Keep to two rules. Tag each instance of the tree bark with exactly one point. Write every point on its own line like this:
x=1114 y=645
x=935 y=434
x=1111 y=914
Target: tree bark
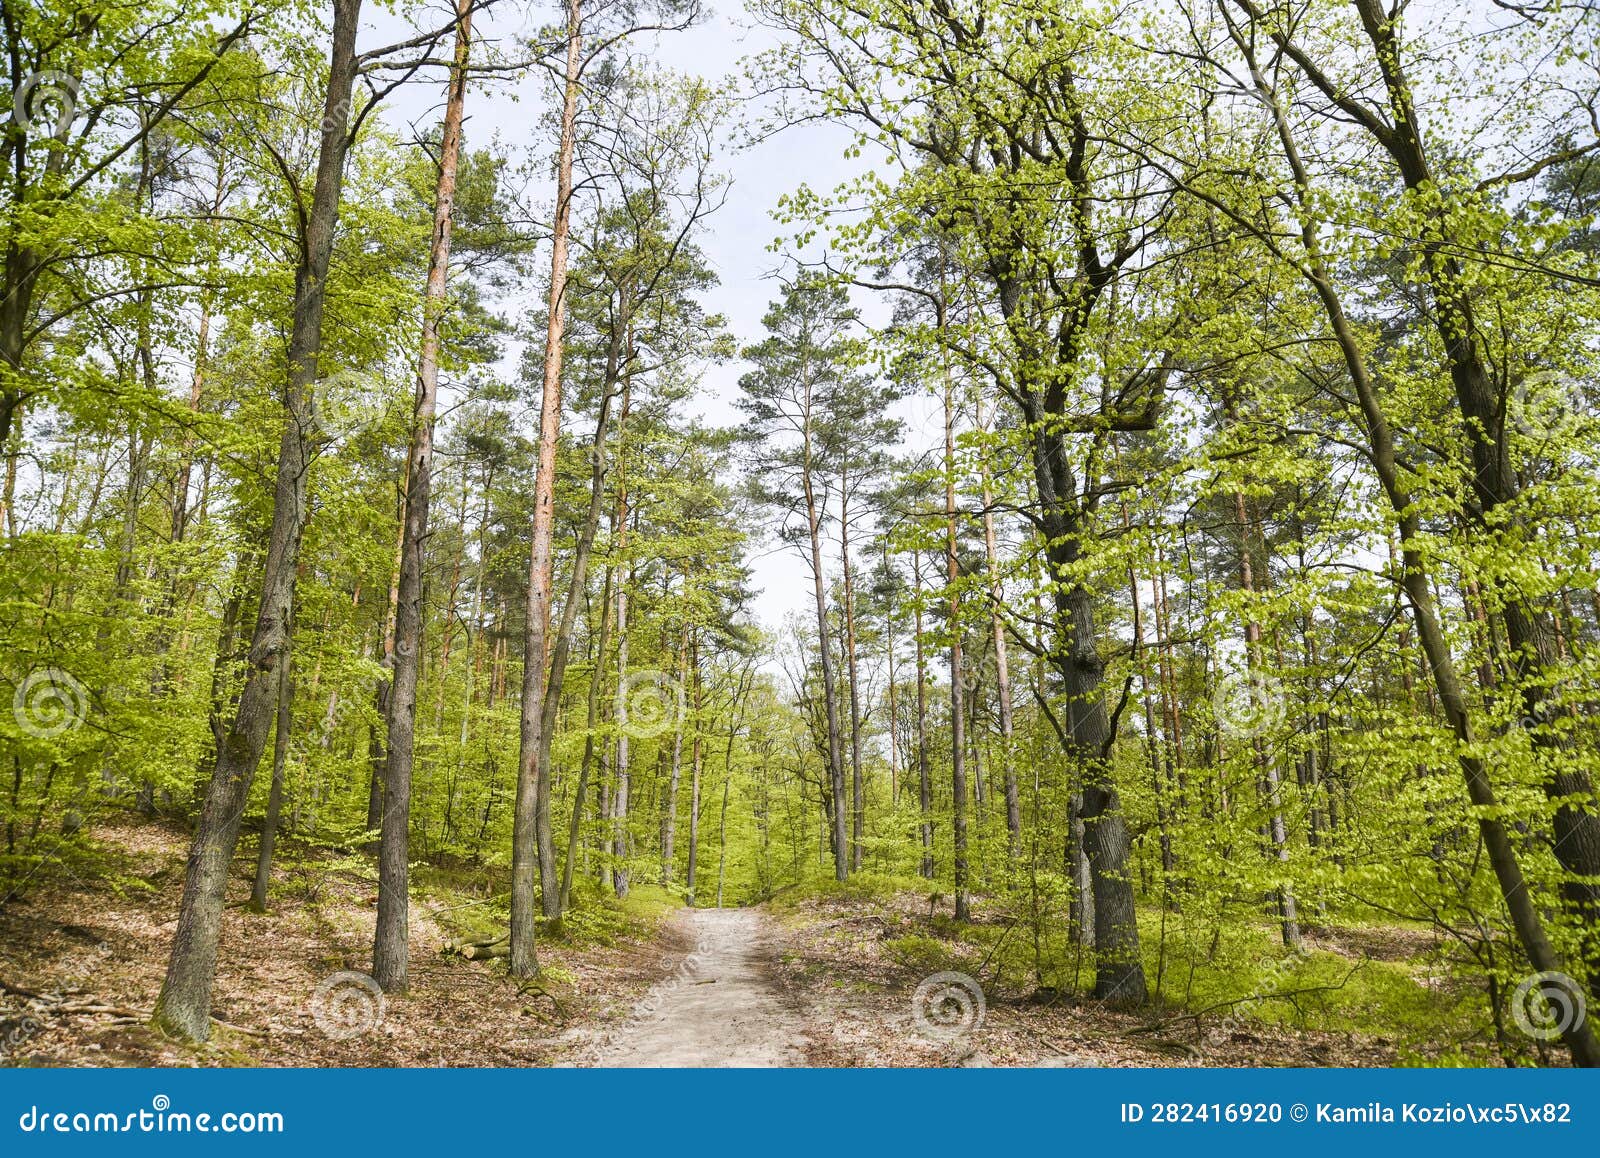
x=924 y=775
x=736 y=712
x=378 y=739
x=269 y=824
x=620 y=781
x=1119 y=973
x=596 y=680
x=894 y=715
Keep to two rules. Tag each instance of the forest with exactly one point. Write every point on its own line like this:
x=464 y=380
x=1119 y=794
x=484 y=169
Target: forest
x=998 y=532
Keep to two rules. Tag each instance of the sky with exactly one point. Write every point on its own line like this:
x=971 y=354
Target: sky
x=737 y=240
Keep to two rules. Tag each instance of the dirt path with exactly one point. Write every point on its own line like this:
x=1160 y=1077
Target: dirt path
x=720 y=1007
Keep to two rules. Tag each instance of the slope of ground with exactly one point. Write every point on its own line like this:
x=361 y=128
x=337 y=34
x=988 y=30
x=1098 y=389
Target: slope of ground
x=852 y=975
x=81 y=962
x=873 y=959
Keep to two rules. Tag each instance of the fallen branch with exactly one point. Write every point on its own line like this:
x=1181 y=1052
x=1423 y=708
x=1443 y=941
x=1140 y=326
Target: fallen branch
x=1048 y=1044
x=468 y=905
x=1288 y=995
x=28 y=993
x=536 y=987
x=98 y=1007
x=477 y=948
x=241 y=1029
x=1168 y=1045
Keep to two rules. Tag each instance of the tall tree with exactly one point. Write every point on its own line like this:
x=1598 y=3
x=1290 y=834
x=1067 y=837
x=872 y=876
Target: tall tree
x=805 y=369
x=391 y=936
x=184 y=1006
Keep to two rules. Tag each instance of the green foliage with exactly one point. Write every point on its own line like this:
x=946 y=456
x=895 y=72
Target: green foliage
x=1272 y=448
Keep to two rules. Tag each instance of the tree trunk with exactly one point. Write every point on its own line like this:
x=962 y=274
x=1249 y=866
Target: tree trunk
x=596 y=679
x=1119 y=973
x=1002 y=676
x=1287 y=916
x=924 y=776
x=722 y=830
x=736 y=712
x=378 y=739
x=1080 y=909
x=958 y=769
x=669 y=805
x=184 y=1005
x=576 y=586
x=894 y=716
x=620 y=785
x=857 y=791
x=1576 y=824
x=1158 y=776
x=696 y=763
x=269 y=825
x=1417 y=584
x=531 y=846
x=391 y=937
x=841 y=848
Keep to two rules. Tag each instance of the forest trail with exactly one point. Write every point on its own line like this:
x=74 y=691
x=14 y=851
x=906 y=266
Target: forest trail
x=721 y=1007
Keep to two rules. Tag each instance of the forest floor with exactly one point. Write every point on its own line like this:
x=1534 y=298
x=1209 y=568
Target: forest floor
x=857 y=961
x=821 y=979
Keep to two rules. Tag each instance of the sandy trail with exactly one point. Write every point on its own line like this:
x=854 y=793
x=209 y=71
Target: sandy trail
x=719 y=1008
